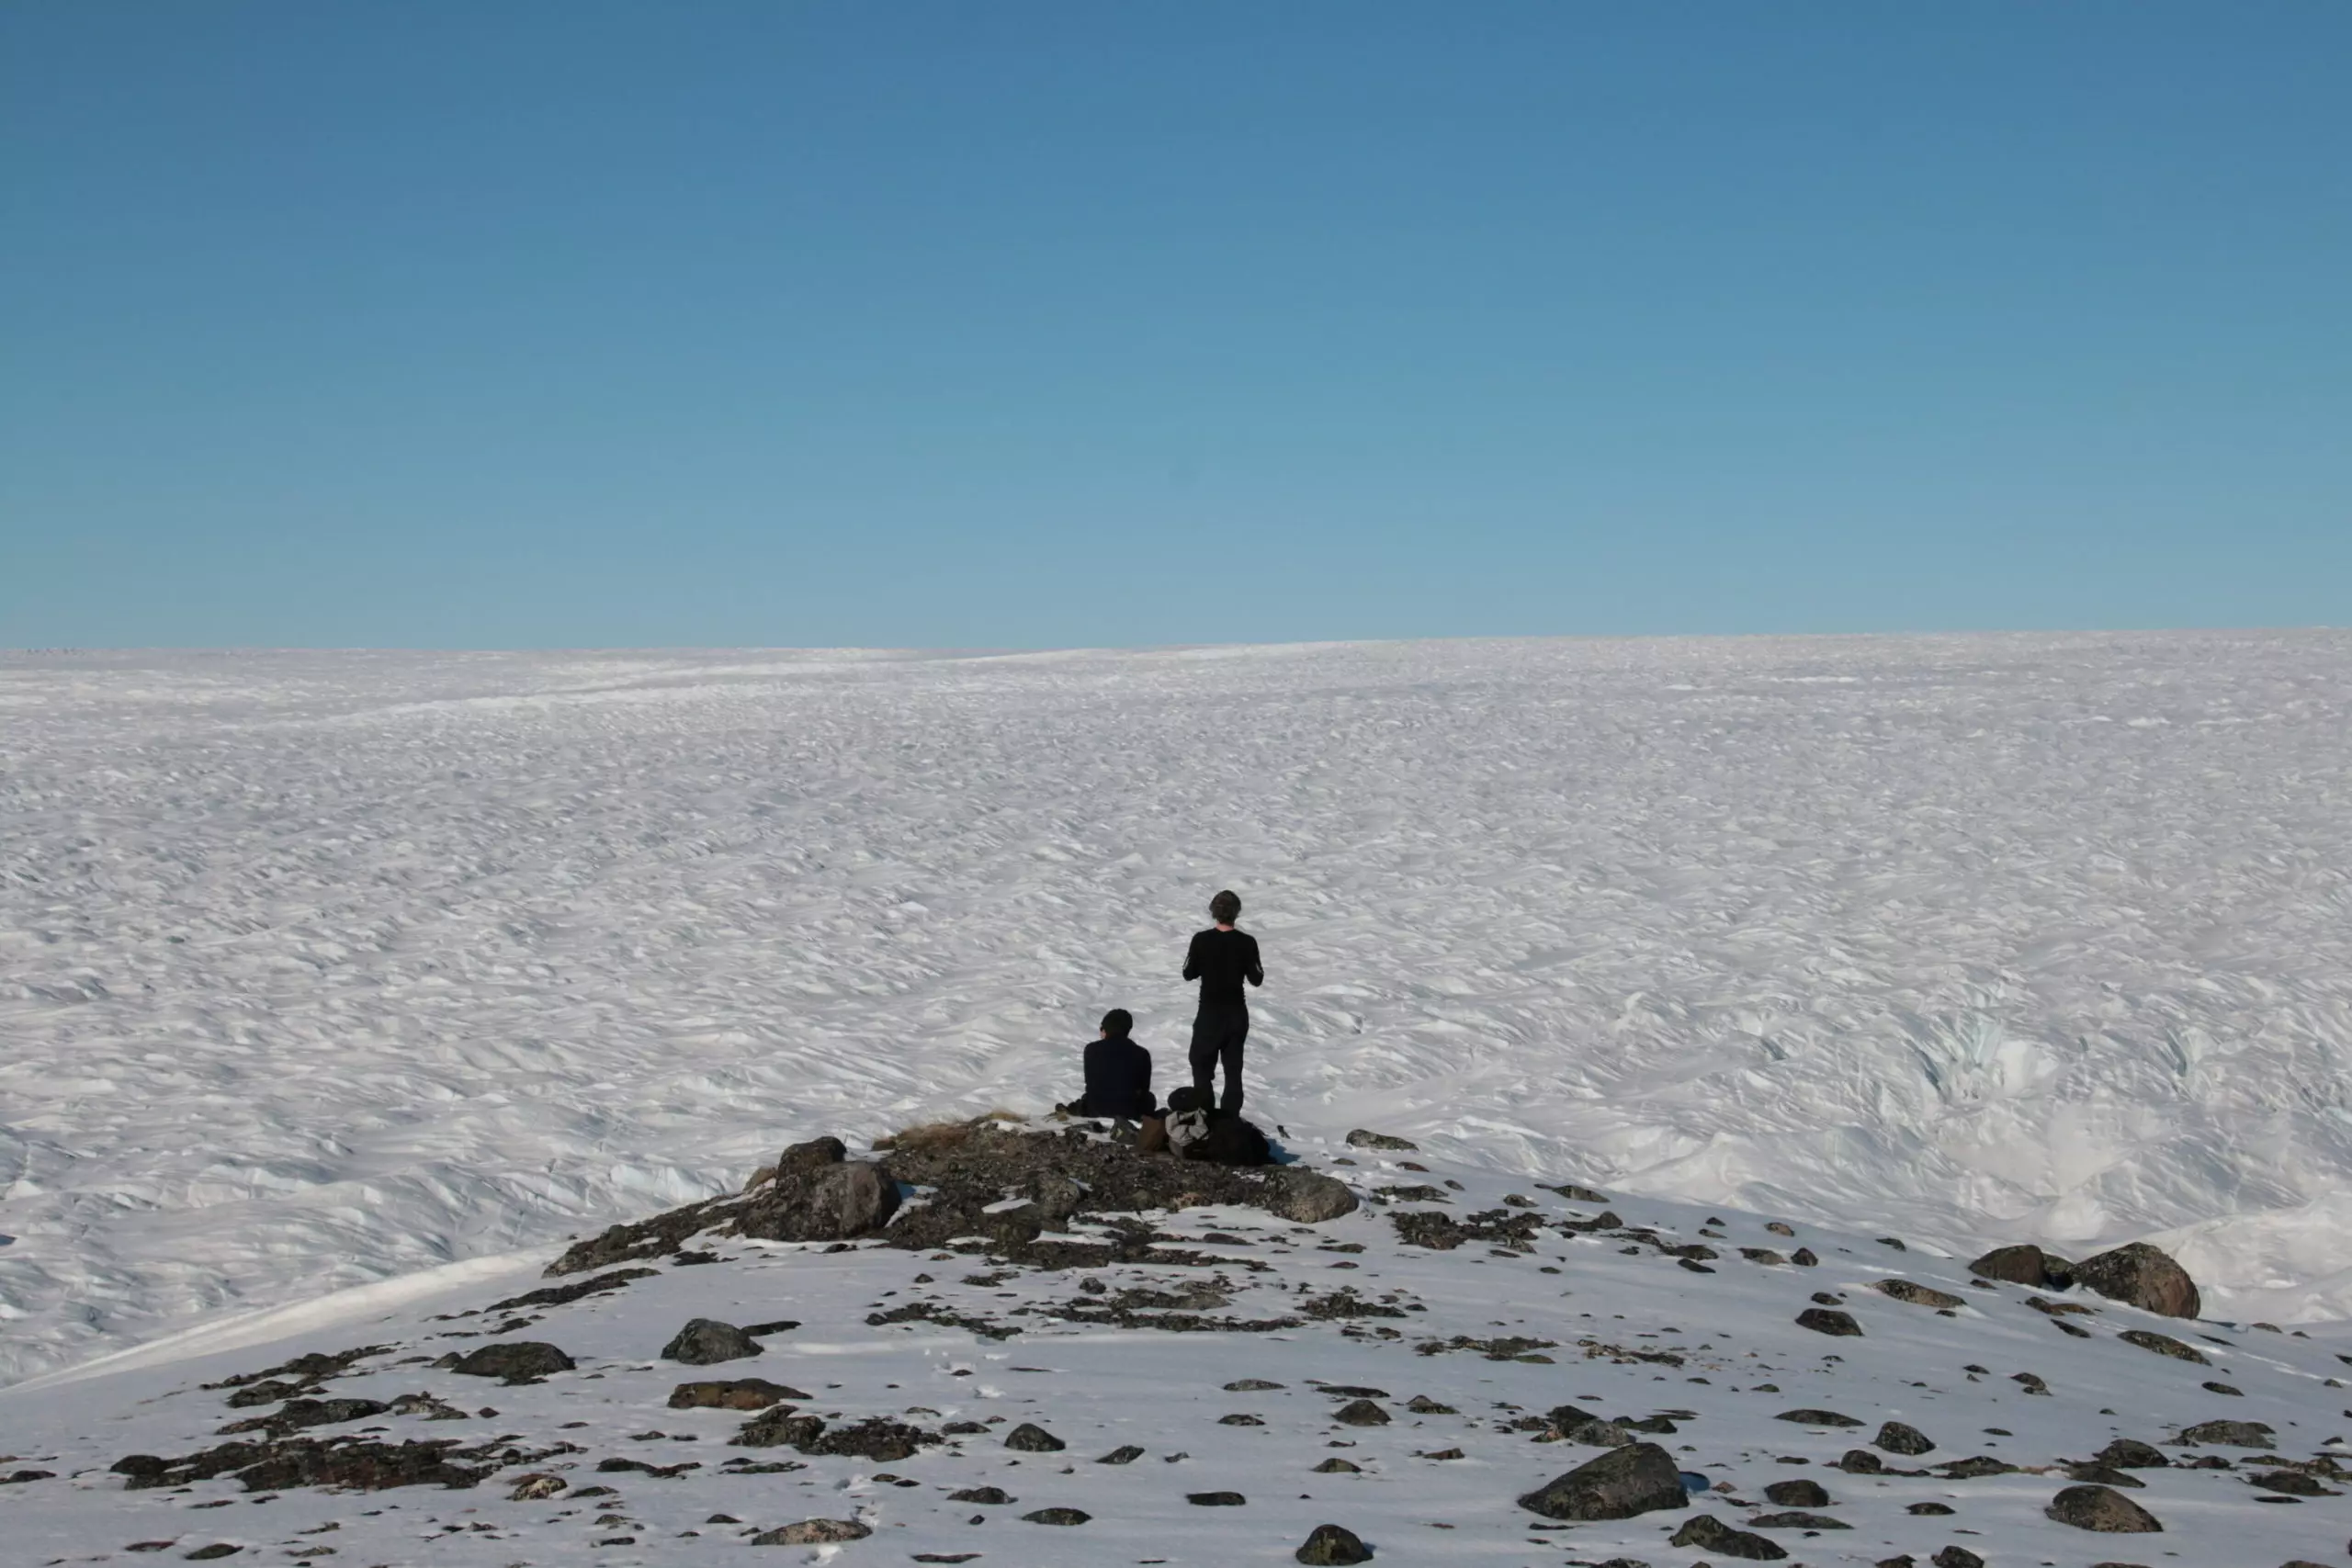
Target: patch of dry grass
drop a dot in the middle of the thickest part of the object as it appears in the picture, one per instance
(928, 1136)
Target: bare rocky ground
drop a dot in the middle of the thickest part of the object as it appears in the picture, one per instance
(1031, 1346)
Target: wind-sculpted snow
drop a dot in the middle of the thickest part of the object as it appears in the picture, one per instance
(320, 968)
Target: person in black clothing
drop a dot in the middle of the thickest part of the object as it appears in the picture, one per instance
(1220, 959)
(1118, 1072)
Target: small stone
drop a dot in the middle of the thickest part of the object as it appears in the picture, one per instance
(2231, 1434)
(1917, 1294)
(1896, 1438)
(813, 1532)
(1123, 1455)
(1797, 1495)
(1332, 1546)
(705, 1341)
(992, 1494)
(2101, 1508)
(1803, 1258)
(1032, 1439)
(1938, 1509)
(1337, 1466)
(1709, 1533)
(1362, 1139)
(1215, 1499)
(1360, 1413)
(1059, 1517)
(1828, 1320)
(2163, 1345)
(1810, 1417)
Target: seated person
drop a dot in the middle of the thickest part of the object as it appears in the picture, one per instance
(1118, 1073)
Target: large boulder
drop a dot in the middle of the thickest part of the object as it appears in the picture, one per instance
(1308, 1196)
(827, 1202)
(517, 1361)
(1332, 1546)
(1619, 1484)
(2142, 1276)
(2025, 1265)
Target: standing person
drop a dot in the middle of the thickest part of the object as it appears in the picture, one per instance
(1220, 959)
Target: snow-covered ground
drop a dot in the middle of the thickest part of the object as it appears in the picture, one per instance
(317, 969)
(1709, 1355)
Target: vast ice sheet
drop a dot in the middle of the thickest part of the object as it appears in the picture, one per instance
(320, 968)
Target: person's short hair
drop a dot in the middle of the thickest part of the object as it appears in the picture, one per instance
(1118, 1023)
(1225, 907)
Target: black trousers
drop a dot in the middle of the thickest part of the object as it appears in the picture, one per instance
(1218, 1036)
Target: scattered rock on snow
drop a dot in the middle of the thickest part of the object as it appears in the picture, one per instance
(1362, 1138)
(2101, 1508)
(1332, 1546)
(1797, 1495)
(1059, 1517)
(813, 1532)
(739, 1394)
(2231, 1434)
(2163, 1345)
(1360, 1413)
(1709, 1533)
(2143, 1277)
(1030, 1439)
(1915, 1293)
(1308, 1196)
(521, 1360)
(1624, 1482)
(1828, 1320)
(2025, 1265)
(706, 1341)
(1896, 1438)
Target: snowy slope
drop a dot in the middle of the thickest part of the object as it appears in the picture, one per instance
(1616, 1328)
(319, 969)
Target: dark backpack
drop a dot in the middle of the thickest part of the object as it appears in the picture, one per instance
(1231, 1141)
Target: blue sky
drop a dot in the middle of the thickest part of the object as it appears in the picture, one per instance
(1022, 325)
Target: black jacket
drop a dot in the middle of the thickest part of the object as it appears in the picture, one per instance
(1119, 1079)
(1220, 961)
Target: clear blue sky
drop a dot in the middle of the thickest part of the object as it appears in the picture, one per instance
(1020, 324)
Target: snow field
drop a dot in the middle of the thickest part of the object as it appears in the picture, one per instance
(318, 969)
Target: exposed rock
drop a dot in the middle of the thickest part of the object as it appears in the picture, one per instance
(1308, 1196)
(2163, 1345)
(1125, 1454)
(1797, 1520)
(828, 1203)
(1215, 1499)
(872, 1439)
(1810, 1417)
(517, 1361)
(814, 1155)
(2292, 1484)
(2231, 1434)
(1828, 1320)
(813, 1532)
(1332, 1546)
(777, 1427)
(531, 1488)
(2024, 1264)
(296, 1413)
(1978, 1466)
(1360, 1413)
(2101, 1508)
(1249, 1385)
(1337, 1466)
(1804, 1258)
(1917, 1294)
(1896, 1438)
(706, 1341)
(2143, 1277)
(1618, 1484)
(1059, 1517)
(1861, 1461)
(1362, 1139)
(1709, 1533)
(1797, 1495)
(1956, 1556)
(994, 1495)
(741, 1393)
(562, 1295)
(2129, 1453)
(1030, 1439)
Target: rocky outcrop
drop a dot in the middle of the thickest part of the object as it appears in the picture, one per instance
(821, 1203)
(2143, 1276)
(1624, 1482)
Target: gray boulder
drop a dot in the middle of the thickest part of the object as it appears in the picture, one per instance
(2025, 1265)
(1332, 1546)
(1364, 1139)
(705, 1341)
(520, 1361)
(1709, 1533)
(1308, 1196)
(1619, 1484)
(2103, 1509)
(827, 1202)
